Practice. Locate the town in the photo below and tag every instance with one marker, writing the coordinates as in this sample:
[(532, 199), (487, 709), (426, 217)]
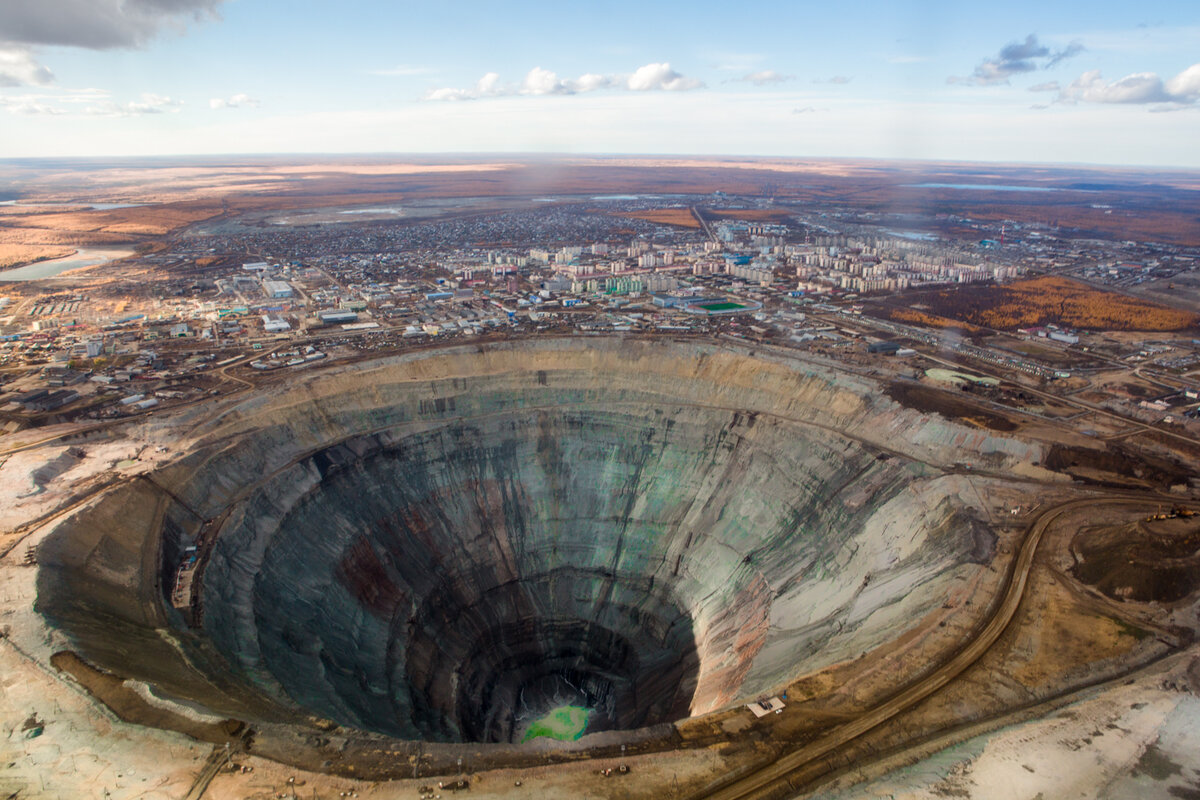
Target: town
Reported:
[(231, 302)]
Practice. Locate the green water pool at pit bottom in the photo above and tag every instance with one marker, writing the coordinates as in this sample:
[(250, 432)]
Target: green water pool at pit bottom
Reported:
[(565, 723)]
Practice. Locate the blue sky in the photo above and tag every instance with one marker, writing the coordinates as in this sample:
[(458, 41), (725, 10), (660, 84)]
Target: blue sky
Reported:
[(1099, 82)]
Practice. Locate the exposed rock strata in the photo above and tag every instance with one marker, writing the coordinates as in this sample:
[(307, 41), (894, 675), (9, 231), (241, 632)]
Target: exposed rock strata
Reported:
[(432, 545)]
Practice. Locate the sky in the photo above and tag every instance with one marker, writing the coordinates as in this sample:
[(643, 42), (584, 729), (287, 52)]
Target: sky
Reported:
[(1032, 82)]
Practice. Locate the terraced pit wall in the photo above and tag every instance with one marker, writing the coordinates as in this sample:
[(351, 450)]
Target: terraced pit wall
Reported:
[(444, 545)]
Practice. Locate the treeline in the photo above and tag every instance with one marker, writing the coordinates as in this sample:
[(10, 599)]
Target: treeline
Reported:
[(929, 320), (1058, 301)]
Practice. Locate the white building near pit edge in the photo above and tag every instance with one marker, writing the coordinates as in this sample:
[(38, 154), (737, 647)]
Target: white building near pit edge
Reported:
[(277, 289), (275, 324)]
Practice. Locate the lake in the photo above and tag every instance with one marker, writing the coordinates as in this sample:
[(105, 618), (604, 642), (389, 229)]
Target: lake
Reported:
[(85, 257)]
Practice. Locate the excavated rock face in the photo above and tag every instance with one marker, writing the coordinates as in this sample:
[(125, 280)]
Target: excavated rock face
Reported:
[(449, 584), (445, 547)]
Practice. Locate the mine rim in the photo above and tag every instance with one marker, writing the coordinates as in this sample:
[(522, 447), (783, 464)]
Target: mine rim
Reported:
[(798, 766), (802, 765), (811, 763)]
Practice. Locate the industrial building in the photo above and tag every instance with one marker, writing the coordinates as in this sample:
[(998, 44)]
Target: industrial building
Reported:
[(337, 316), (277, 289), (275, 324)]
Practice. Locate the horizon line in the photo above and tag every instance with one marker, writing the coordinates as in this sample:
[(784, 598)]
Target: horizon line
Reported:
[(566, 156)]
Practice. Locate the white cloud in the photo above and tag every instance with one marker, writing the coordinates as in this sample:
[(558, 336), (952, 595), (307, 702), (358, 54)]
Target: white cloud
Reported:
[(1137, 89), (660, 77), (489, 84), (543, 81), (1090, 87), (764, 77), (237, 101), (1186, 84), (18, 67), (1048, 86), (149, 103), (540, 82), (30, 105), (89, 102), (591, 82), (439, 95)]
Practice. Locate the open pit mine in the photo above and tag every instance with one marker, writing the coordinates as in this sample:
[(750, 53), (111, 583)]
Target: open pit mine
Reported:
[(586, 565)]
